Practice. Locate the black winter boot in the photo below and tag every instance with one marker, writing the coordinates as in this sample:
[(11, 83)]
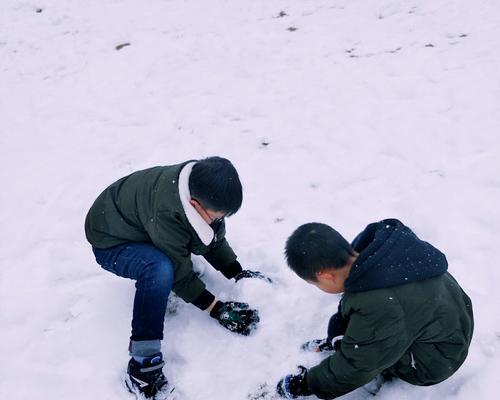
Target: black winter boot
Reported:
[(146, 379)]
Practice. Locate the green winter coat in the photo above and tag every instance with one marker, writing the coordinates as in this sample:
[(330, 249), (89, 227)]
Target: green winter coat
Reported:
[(152, 206), (404, 314)]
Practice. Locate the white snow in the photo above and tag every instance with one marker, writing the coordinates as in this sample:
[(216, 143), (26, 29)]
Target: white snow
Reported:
[(363, 110)]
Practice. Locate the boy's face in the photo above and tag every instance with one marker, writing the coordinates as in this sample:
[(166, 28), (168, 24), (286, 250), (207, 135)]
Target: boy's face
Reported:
[(331, 280), (209, 216)]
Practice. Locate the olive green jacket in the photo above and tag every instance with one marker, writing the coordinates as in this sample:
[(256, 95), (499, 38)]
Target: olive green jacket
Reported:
[(422, 342), (152, 206), (404, 314)]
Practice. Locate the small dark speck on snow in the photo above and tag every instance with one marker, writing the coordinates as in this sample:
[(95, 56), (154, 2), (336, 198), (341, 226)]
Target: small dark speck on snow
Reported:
[(393, 51), (122, 45)]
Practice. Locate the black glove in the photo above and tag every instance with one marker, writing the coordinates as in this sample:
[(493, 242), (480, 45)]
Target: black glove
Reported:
[(293, 386), (246, 273), (336, 326), (237, 317)]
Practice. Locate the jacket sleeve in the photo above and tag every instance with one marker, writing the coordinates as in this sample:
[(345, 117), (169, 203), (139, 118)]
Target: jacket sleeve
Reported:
[(223, 259), (374, 340), (170, 236)]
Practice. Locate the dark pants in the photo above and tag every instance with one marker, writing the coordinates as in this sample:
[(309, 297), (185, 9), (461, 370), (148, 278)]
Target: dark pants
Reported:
[(153, 272)]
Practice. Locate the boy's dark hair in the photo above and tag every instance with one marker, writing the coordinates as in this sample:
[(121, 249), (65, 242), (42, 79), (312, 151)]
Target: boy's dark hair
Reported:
[(314, 247), (215, 183)]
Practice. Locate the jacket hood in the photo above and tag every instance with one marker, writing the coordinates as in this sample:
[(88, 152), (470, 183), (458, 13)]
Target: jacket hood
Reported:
[(390, 254)]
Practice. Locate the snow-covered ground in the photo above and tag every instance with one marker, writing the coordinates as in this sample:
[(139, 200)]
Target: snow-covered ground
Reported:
[(338, 111)]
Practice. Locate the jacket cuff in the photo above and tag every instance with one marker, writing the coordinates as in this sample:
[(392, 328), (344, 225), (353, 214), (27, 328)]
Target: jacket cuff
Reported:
[(231, 270), (216, 310), (204, 300)]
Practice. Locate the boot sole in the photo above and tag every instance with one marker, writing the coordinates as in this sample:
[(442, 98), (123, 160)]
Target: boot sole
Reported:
[(166, 393)]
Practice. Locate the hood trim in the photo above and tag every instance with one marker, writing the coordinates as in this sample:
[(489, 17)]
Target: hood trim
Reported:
[(202, 229)]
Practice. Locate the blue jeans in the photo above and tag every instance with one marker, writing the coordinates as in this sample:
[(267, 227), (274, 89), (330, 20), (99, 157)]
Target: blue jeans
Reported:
[(153, 272)]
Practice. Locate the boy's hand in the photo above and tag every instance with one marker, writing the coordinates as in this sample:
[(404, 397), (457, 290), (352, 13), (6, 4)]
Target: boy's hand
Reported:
[(320, 346), (236, 317), (293, 386), (246, 273)]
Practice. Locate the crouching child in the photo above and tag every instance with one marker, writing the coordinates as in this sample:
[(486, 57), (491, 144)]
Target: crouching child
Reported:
[(145, 227), (401, 314)]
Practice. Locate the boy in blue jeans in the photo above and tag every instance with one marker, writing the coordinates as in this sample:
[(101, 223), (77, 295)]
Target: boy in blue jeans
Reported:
[(145, 227)]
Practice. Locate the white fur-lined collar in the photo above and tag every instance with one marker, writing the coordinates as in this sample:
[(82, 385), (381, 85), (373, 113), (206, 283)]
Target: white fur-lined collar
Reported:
[(202, 229)]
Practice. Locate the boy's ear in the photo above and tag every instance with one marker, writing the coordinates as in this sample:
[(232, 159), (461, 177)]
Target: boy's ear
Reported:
[(196, 204), (326, 275)]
